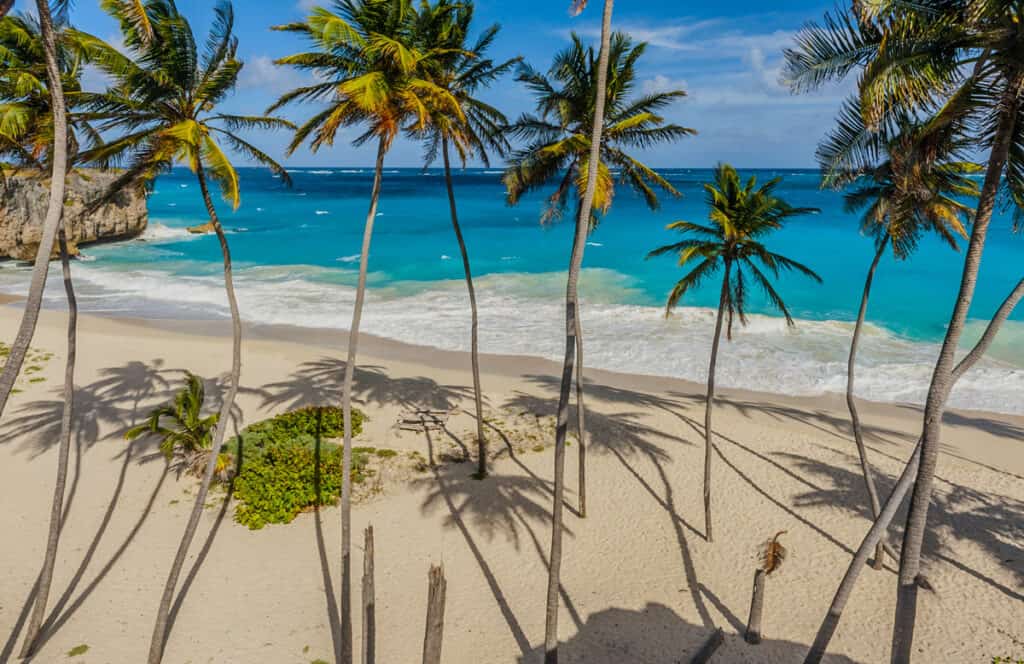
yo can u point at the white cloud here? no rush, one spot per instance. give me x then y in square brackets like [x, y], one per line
[261, 72]
[662, 83]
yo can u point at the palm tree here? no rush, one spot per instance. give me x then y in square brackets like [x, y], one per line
[34, 121]
[572, 330]
[371, 72]
[558, 147]
[164, 99]
[960, 57]
[905, 177]
[463, 72]
[5, 6]
[740, 215]
[188, 435]
[54, 209]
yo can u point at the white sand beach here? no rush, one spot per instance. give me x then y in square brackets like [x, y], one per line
[640, 582]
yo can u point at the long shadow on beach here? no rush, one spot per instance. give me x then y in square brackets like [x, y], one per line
[118, 400]
[657, 635]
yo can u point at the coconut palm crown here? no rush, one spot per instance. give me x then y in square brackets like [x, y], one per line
[740, 216]
[162, 104]
[371, 70]
[906, 176]
[557, 136]
[26, 120]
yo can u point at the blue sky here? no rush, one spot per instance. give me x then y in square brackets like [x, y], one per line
[726, 55]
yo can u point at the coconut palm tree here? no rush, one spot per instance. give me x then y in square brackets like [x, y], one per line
[962, 58]
[558, 148]
[183, 431]
[463, 72]
[374, 73]
[34, 122]
[572, 329]
[54, 209]
[905, 179]
[164, 99]
[741, 215]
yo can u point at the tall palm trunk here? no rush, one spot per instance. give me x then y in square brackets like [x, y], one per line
[555, 562]
[581, 425]
[54, 209]
[881, 524]
[723, 301]
[938, 392]
[56, 517]
[851, 403]
[161, 628]
[346, 405]
[474, 352]
[5, 6]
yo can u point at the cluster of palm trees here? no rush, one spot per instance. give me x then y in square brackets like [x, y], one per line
[934, 79]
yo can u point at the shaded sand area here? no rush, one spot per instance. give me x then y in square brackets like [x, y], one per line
[640, 583]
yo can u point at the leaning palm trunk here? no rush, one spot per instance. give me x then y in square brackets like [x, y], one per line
[723, 302]
[35, 622]
[161, 628]
[54, 210]
[851, 404]
[938, 392]
[5, 6]
[555, 561]
[474, 352]
[881, 524]
[346, 405]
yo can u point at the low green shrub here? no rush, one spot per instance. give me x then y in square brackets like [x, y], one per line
[285, 479]
[296, 427]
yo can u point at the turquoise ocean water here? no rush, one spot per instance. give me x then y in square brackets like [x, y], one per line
[296, 255]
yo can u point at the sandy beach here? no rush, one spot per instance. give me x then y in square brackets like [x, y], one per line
[640, 582]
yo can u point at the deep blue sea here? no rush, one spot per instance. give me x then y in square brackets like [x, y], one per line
[296, 256]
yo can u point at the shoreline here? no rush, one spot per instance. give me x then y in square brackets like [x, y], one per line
[638, 572]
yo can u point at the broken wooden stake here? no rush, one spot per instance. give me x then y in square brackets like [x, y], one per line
[435, 616]
[369, 601]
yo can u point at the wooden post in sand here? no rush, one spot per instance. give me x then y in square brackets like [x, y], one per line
[369, 601]
[435, 616]
[753, 634]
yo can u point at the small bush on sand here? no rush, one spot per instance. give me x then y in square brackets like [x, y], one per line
[286, 478]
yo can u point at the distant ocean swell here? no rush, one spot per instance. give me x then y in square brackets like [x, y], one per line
[522, 314]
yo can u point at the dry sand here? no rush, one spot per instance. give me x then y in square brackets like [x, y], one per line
[640, 582]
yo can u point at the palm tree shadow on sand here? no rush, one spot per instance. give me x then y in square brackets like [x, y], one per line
[119, 399]
[319, 382]
[657, 635]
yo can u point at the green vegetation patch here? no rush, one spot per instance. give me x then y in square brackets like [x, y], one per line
[287, 465]
[78, 650]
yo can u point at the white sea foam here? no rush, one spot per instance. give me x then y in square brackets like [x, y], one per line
[157, 232]
[595, 244]
[322, 172]
[320, 213]
[445, 257]
[765, 355]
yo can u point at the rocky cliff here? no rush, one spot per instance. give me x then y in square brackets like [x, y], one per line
[23, 200]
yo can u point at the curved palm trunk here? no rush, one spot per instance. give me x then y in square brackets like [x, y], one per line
[5, 6]
[938, 392]
[54, 210]
[899, 492]
[474, 352]
[579, 244]
[56, 517]
[346, 405]
[161, 628]
[851, 404]
[709, 401]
